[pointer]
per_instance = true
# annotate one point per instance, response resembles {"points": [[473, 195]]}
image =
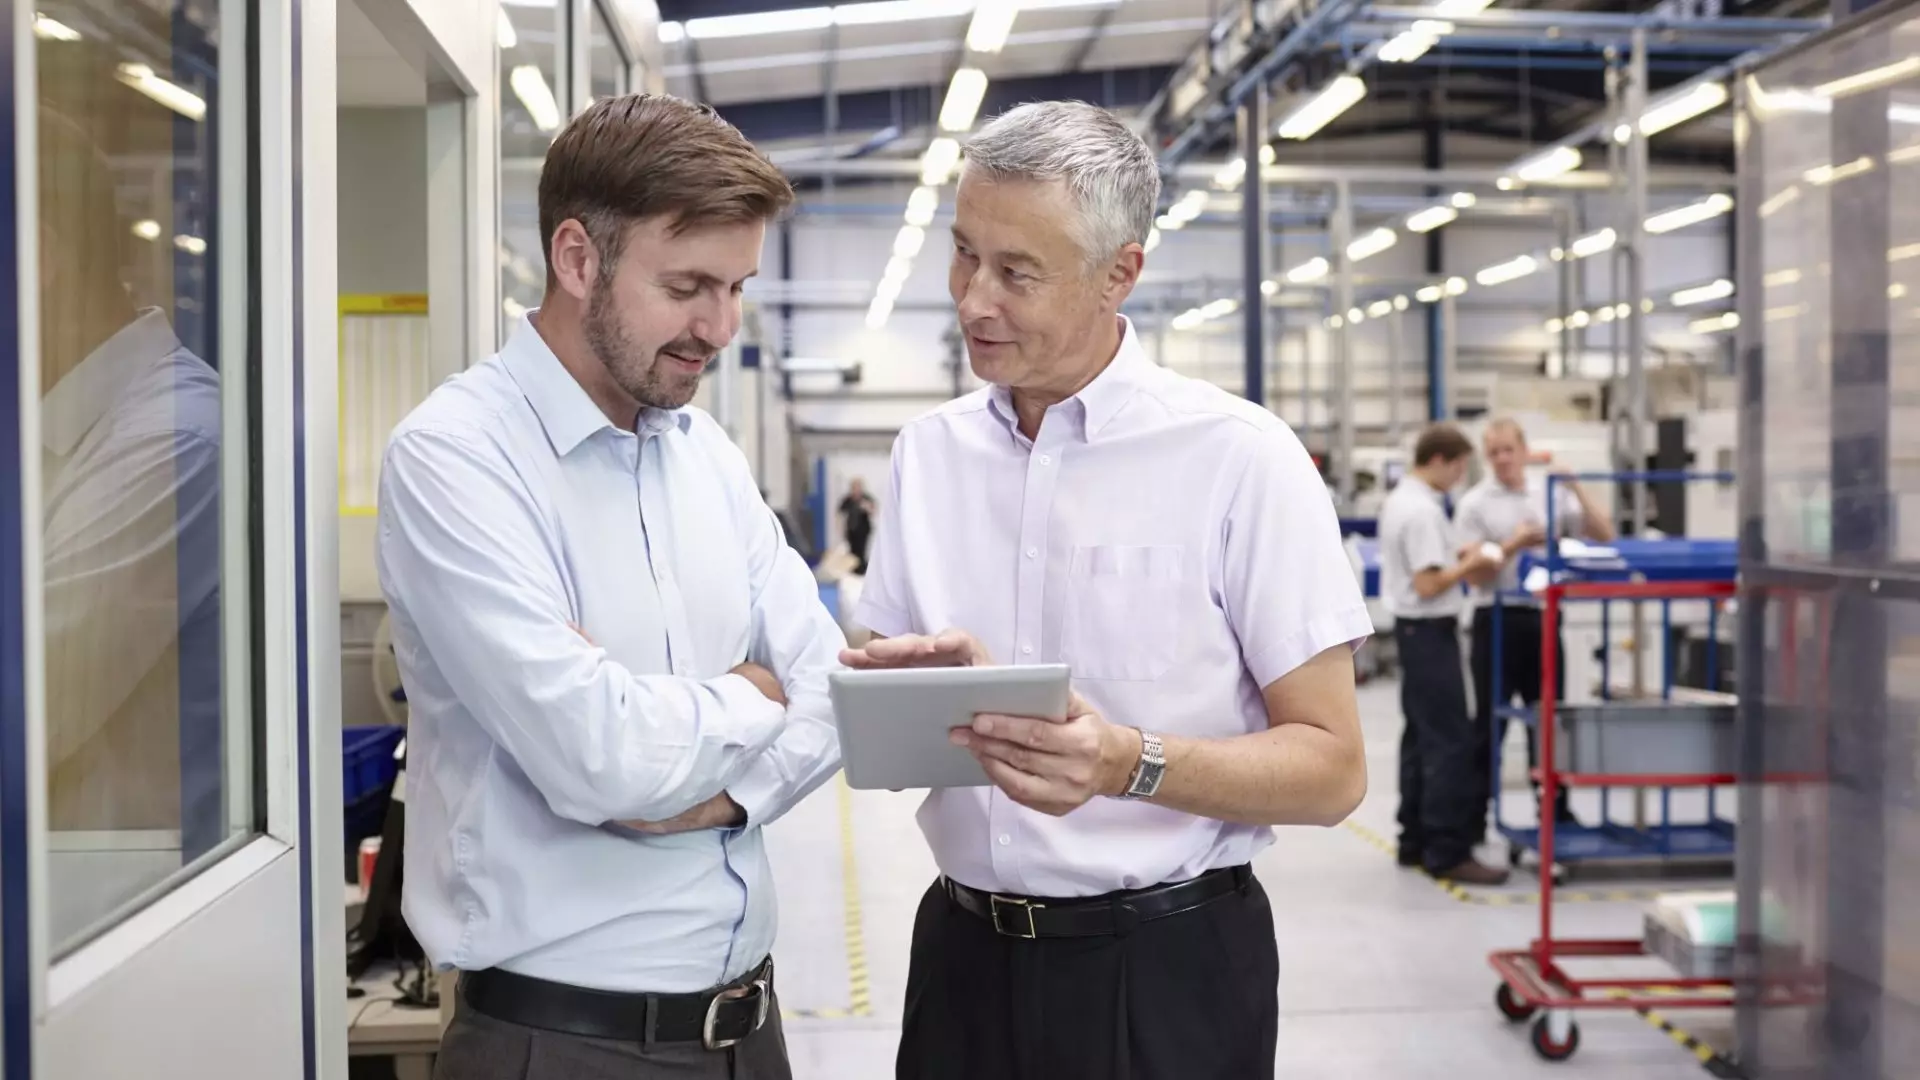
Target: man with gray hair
{"points": [[1097, 914]]}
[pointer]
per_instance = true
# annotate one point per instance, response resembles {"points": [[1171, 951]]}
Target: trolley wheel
{"points": [[1544, 1045], [1511, 1006]]}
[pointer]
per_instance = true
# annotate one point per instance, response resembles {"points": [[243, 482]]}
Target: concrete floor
{"points": [[1383, 973]]}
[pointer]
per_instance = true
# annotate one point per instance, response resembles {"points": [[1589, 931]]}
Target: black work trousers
{"points": [[1522, 676], [1192, 996], [1442, 790]]}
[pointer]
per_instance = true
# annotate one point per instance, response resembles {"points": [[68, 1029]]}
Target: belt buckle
{"points": [[1025, 907], [758, 986]]}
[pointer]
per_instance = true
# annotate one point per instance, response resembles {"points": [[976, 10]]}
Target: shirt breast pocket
{"points": [[1123, 610]]}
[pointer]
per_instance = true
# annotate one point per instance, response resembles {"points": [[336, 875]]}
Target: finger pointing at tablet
{"points": [[948, 648]]}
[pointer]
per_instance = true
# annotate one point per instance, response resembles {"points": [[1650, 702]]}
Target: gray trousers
{"points": [[479, 1047]]}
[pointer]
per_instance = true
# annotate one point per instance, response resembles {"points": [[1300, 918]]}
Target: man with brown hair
{"points": [[1441, 788], [615, 665]]}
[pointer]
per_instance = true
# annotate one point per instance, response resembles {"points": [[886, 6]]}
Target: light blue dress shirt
{"points": [[509, 509]]}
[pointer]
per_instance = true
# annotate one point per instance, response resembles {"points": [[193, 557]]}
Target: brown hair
{"points": [[1440, 441], [642, 155]]}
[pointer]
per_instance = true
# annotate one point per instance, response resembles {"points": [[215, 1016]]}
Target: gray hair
{"points": [[1106, 166]]}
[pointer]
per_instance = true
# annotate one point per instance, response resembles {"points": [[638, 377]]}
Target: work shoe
{"points": [[1474, 872], [1408, 857]]}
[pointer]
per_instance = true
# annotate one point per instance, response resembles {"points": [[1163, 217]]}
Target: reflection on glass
{"points": [[529, 118], [130, 450], [606, 67]]}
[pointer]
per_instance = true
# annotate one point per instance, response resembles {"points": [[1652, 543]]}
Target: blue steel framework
{"points": [[16, 999]]}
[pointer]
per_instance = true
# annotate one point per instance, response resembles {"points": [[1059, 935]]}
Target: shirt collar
{"points": [[82, 396], [1101, 400], [566, 412]]}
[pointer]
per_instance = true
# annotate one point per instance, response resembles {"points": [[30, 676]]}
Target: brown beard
{"points": [[643, 379]]}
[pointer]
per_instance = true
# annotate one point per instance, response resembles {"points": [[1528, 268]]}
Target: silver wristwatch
{"points": [[1153, 765]]}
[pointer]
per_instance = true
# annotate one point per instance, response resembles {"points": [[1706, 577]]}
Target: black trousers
{"points": [[857, 540], [1193, 996], [1442, 796], [1521, 675]]}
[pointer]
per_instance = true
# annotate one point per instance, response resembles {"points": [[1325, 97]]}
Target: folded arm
{"points": [[474, 584]]}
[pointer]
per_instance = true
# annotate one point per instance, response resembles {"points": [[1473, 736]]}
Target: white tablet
{"points": [[894, 724]]}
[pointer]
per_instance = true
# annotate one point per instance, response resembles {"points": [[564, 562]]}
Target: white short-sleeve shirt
{"points": [[1415, 536], [1493, 511], [1172, 543]]}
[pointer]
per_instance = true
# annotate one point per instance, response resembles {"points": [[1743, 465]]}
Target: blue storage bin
{"points": [[367, 771]]}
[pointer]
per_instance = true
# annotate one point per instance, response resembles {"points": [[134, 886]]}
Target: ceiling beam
{"points": [[681, 10]]}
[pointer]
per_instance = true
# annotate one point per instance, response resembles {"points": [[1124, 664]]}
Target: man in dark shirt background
{"points": [[857, 508]]}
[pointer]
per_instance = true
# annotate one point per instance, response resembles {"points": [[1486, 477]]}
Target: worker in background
{"points": [[1509, 509], [1096, 914], [1441, 794], [617, 666], [857, 509]]}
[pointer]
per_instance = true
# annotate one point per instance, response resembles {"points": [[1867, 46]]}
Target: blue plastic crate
{"points": [[367, 772]]}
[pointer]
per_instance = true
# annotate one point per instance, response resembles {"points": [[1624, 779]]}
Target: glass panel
{"points": [[133, 344], [606, 67], [529, 119]]}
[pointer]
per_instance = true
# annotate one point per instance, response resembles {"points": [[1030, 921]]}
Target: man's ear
{"points": [[1124, 273], [575, 259]]}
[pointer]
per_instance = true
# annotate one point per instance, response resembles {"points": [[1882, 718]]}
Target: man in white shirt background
{"points": [[615, 665], [1509, 508], [1097, 915], [1441, 794]]}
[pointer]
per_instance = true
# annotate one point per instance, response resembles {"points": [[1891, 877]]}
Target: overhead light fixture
{"points": [[1555, 326], [1594, 243], [672, 33], [1715, 324], [1430, 295], [792, 20], [1781, 277], [1506, 183], [513, 309], [1605, 314], [1169, 223], [1153, 239], [1903, 252], [1425, 221], [1833, 174], [1580, 320], [1335, 322], [1188, 319], [1231, 173], [1904, 155], [1897, 71], [1548, 164], [992, 21], [897, 269], [1355, 316], [1463, 200], [964, 93], [1512, 269], [877, 312], [1333, 99], [192, 245], [48, 29], [1700, 99], [889, 289], [147, 230], [175, 97], [1680, 217], [536, 96], [1372, 244], [937, 162], [503, 31], [1452, 8], [921, 205], [1190, 206], [1314, 269], [1379, 308], [1401, 303], [907, 242], [1456, 285], [1226, 305], [1701, 294], [1897, 291], [1774, 203], [1410, 45]]}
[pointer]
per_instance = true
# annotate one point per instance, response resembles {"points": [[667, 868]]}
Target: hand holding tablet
{"points": [[895, 723]]}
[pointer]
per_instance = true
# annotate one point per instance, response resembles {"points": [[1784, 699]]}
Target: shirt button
{"points": [[1033, 553], [1027, 649], [1005, 839], [1046, 459]]}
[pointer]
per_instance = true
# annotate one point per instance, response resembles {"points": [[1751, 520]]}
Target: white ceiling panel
{"points": [[1138, 50], [719, 50]]}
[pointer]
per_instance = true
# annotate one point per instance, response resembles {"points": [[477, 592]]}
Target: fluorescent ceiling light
{"points": [[969, 85], [1188, 319], [1401, 303], [1335, 322], [897, 269], [672, 33], [1680, 217], [1224, 306], [1701, 99], [1605, 314], [47, 29], [1269, 287], [1506, 183], [888, 289], [1411, 45], [877, 313], [1355, 316], [503, 32], [1867, 80], [1776, 202], [1903, 252], [1169, 223], [1701, 294], [1430, 294], [1594, 243], [992, 21], [1781, 277], [1548, 164], [1153, 240], [1314, 269], [1333, 99], [147, 230], [1372, 244], [1904, 155], [1425, 221], [921, 205], [937, 163], [765, 22], [531, 88], [906, 243], [1555, 326], [1464, 199], [1715, 324], [1190, 206], [1897, 291], [1450, 8], [178, 98], [1512, 269], [1379, 308], [1828, 174], [1579, 320], [192, 245], [1456, 285]]}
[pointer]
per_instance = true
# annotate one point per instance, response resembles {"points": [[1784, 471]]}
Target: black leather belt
{"points": [[716, 1018], [1113, 914]]}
